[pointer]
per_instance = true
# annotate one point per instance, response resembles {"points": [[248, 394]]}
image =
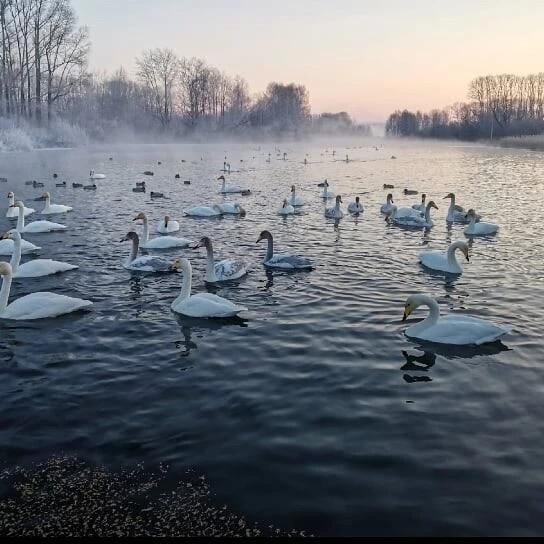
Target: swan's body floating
{"points": [[326, 194], [231, 208], [54, 209], [160, 242], [167, 226], [36, 305], [408, 217], [93, 175], [355, 207], [388, 206], [295, 200], [286, 209], [420, 207], [456, 329], [13, 212], [283, 261], [445, 261], [230, 189], [479, 229], [201, 304], [225, 270], [457, 214], [335, 212], [204, 211], [36, 227], [145, 263], [35, 268]]}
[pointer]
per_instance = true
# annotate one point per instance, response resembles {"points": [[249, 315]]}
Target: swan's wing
{"points": [[42, 267], [149, 263], [230, 269], [208, 305], [289, 262], [42, 305]]}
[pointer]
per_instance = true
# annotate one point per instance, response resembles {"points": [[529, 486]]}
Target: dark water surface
{"points": [[309, 412]]}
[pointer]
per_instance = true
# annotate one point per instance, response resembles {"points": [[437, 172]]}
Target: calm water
{"points": [[309, 412]]}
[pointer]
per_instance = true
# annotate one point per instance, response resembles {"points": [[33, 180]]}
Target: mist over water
{"points": [[311, 411]]}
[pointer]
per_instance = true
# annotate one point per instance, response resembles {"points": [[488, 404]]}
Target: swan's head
{"points": [[239, 209], [181, 265], [141, 216], [412, 303], [166, 219], [132, 236], [205, 241], [390, 198], [449, 195], [293, 189], [221, 178], [18, 204], [471, 213], [338, 199], [431, 204], [284, 203], [12, 234], [46, 195], [11, 194], [463, 246], [325, 183], [423, 197], [5, 269], [265, 235], [357, 199]]}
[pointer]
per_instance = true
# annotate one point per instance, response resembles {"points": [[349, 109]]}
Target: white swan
{"points": [[229, 189], [445, 261], [457, 214], [53, 209], [231, 208], [454, 329], [93, 175], [167, 226], [420, 207], [295, 200], [286, 208], [35, 268], [225, 270], [326, 194], [355, 207], [204, 211], [201, 304], [335, 212], [160, 242], [13, 212], [145, 263], [283, 261], [388, 206], [36, 227], [479, 229], [36, 305], [408, 217]]}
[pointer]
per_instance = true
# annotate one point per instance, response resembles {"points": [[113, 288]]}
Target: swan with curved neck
{"points": [[204, 211], [295, 200], [388, 206], [409, 217], [36, 227], [203, 305], [53, 209], [456, 213], [326, 194], [455, 329], [355, 207], [167, 226], [420, 207], [13, 212], [336, 212], [226, 189], [286, 208], [283, 261], [479, 228], [160, 242], [145, 263], [445, 261], [225, 270]]}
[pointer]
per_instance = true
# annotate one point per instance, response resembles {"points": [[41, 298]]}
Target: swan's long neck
{"points": [[389, 199], [210, 266], [186, 283], [16, 257], [451, 252], [21, 219], [223, 185], [11, 200], [134, 250], [434, 313], [146, 231], [47, 202], [4, 292], [337, 207], [428, 213], [270, 249], [451, 210]]}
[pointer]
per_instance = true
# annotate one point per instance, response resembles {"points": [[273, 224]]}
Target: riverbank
{"points": [[534, 143]]}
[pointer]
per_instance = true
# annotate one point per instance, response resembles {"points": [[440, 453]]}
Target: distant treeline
{"points": [[44, 79], [501, 105]]}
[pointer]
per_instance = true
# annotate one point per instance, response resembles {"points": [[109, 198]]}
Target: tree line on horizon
{"points": [[499, 105], [44, 77]]}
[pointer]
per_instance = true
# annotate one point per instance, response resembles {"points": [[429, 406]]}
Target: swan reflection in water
{"points": [[418, 363]]}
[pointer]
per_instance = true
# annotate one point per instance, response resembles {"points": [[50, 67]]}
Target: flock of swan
{"points": [[455, 329]]}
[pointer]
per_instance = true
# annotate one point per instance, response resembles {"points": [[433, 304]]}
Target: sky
{"points": [[365, 57]]}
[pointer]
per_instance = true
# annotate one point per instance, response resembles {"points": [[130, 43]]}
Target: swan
{"points": [[93, 176], [480, 228], [286, 208], [53, 209], [160, 242], [36, 227], [457, 214], [231, 208], [225, 270], [445, 261], [409, 217], [420, 207], [326, 194], [295, 200], [36, 305], [455, 329], [145, 263], [388, 206], [35, 268], [12, 212], [201, 304], [226, 189], [166, 226], [204, 211], [283, 261], [355, 207], [336, 212]]}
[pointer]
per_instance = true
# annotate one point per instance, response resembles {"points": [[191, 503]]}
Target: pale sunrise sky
{"points": [[365, 57]]}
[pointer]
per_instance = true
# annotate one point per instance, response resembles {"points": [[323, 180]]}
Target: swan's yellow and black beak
{"points": [[176, 266], [407, 312]]}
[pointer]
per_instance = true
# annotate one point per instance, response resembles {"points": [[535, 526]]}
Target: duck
{"points": [[38, 305], [295, 200], [54, 209], [225, 270], [62, 184], [355, 207], [160, 242], [410, 192], [286, 208], [326, 194], [144, 263], [456, 214], [13, 212], [226, 189], [335, 212], [139, 188], [202, 305], [93, 175], [204, 211], [35, 268], [454, 329], [155, 194], [283, 261], [420, 207], [140, 184], [231, 208], [91, 187], [409, 217], [167, 226], [445, 261], [388, 206], [388, 186], [478, 228], [77, 185], [37, 184], [36, 227]]}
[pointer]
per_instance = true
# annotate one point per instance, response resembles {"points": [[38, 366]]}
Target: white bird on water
{"points": [[13, 212], [479, 228], [286, 208], [408, 217], [36, 227], [445, 261], [335, 212], [167, 226], [295, 200], [388, 206], [225, 270], [160, 242], [53, 209], [283, 261], [144, 263], [355, 207]]}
